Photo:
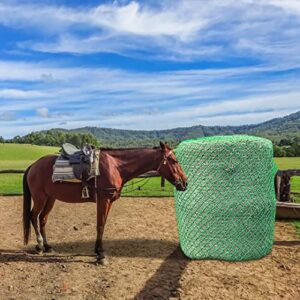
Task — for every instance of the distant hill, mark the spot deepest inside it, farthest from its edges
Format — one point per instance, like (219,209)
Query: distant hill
(276,129)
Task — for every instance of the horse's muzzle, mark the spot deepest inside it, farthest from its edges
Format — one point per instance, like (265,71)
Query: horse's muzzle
(181,185)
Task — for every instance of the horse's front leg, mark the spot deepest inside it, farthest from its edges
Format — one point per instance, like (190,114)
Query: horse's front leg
(103,207)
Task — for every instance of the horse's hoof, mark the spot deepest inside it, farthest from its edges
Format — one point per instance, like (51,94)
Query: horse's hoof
(38,250)
(102,261)
(49,250)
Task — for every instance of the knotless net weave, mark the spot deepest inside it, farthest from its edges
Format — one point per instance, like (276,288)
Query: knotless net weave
(228,210)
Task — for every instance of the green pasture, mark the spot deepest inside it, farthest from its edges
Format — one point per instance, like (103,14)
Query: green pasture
(18,157)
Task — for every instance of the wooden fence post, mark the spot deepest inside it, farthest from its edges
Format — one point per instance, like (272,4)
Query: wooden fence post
(283,184)
(162,182)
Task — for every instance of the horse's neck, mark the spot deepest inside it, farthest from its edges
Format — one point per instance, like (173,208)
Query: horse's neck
(132,163)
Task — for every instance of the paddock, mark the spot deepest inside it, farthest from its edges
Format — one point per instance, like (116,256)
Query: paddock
(145,262)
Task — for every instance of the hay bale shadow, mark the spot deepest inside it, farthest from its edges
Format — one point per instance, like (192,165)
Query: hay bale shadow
(165,283)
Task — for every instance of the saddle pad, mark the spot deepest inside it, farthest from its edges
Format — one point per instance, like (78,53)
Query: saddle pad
(63,170)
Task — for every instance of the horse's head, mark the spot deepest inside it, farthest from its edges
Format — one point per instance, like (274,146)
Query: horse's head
(171,169)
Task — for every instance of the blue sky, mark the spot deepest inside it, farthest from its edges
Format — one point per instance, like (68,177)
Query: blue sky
(147,64)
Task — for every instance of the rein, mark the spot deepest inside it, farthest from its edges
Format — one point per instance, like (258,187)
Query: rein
(136,189)
(126,185)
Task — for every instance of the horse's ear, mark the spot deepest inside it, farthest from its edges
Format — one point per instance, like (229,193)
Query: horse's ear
(162,145)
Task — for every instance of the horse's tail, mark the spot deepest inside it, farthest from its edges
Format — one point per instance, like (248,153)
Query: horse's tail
(26,208)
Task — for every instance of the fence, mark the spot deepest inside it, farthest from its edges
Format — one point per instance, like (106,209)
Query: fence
(285,208)
(148,175)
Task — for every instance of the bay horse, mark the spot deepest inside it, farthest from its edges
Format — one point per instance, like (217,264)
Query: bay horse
(117,166)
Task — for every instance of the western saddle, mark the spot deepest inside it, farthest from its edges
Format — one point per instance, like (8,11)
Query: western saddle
(85,164)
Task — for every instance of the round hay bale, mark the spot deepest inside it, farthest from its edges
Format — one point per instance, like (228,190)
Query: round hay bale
(228,210)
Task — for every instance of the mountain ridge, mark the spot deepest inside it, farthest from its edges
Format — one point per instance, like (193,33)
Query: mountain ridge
(274,129)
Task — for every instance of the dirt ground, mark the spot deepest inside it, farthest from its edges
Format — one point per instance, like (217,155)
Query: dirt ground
(144,258)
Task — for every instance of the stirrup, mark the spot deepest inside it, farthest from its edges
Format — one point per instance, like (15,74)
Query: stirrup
(85,192)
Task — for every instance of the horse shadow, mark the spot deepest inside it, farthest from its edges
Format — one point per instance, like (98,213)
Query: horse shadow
(8,255)
(164,283)
(131,248)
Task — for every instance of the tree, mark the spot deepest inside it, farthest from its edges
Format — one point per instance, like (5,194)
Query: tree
(284,142)
(75,139)
(290,152)
(279,151)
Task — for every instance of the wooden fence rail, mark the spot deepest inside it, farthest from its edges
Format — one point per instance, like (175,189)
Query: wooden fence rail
(146,175)
(12,171)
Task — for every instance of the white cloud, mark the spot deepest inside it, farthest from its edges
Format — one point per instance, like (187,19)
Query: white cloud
(290,6)
(6,116)
(135,19)
(43,112)
(132,17)
(17,93)
(173,30)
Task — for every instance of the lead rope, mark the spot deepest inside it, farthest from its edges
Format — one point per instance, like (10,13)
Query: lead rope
(163,162)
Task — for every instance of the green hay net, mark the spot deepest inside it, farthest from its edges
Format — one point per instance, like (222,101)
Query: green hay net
(228,210)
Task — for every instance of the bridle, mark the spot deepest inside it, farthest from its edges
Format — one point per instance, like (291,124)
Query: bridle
(165,161)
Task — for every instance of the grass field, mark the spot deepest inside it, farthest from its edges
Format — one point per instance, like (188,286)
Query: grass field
(14,156)
(18,157)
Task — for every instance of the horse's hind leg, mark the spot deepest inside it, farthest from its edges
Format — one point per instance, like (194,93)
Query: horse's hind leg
(103,207)
(38,206)
(43,221)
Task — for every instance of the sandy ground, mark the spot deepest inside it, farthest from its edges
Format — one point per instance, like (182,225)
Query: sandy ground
(144,259)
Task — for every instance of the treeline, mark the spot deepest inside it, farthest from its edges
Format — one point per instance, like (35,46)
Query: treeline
(57,138)
(284,148)
(54,138)
(287,147)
